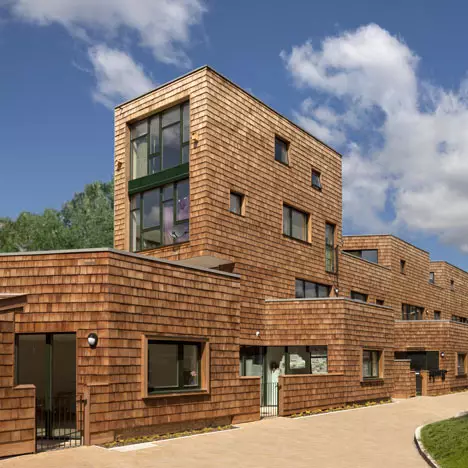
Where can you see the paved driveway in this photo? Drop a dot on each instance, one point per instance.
(373, 437)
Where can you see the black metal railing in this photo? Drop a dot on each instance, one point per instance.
(59, 422)
(269, 399)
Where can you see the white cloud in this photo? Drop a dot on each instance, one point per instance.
(118, 77)
(163, 26)
(107, 27)
(406, 149)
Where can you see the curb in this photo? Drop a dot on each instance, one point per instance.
(422, 451)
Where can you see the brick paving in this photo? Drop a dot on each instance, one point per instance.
(366, 438)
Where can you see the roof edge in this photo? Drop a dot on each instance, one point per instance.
(123, 253)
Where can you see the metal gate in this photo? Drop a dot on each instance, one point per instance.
(269, 399)
(418, 383)
(59, 422)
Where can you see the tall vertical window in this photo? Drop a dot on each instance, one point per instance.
(436, 315)
(281, 151)
(432, 277)
(236, 202)
(295, 223)
(160, 216)
(461, 363)
(330, 257)
(452, 284)
(371, 364)
(160, 142)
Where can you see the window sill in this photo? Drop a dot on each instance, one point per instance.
(315, 187)
(297, 240)
(372, 380)
(282, 163)
(176, 393)
(167, 246)
(237, 214)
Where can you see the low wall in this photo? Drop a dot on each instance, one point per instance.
(249, 400)
(17, 403)
(299, 393)
(404, 379)
(434, 386)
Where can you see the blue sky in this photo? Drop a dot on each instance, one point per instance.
(383, 82)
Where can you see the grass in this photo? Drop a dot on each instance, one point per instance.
(447, 442)
(340, 408)
(119, 442)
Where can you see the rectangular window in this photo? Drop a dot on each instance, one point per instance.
(316, 182)
(160, 216)
(452, 284)
(236, 203)
(281, 151)
(371, 364)
(436, 315)
(380, 302)
(173, 366)
(307, 289)
(330, 258)
(358, 296)
(411, 312)
(461, 364)
(160, 142)
(295, 223)
(432, 277)
(459, 319)
(402, 266)
(318, 359)
(371, 255)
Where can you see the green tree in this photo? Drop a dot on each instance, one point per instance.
(84, 222)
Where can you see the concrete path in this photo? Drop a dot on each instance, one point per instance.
(374, 437)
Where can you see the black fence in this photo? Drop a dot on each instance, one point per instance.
(269, 399)
(59, 422)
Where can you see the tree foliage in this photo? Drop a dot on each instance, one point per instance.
(85, 221)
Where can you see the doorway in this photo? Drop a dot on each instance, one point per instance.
(48, 360)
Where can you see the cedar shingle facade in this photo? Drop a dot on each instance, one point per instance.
(229, 290)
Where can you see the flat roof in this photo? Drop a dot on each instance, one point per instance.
(120, 252)
(388, 235)
(207, 67)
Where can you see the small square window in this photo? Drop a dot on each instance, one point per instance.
(236, 203)
(380, 302)
(281, 151)
(431, 277)
(316, 182)
(436, 315)
(402, 266)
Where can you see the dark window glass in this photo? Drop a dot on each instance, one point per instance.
(452, 284)
(358, 296)
(370, 364)
(411, 312)
(295, 223)
(235, 203)
(380, 302)
(281, 151)
(251, 361)
(461, 364)
(171, 154)
(308, 289)
(432, 277)
(316, 179)
(160, 142)
(371, 255)
(160, 216)
(402, 266)
(436, 315)
(330, 260)
(173, 366)
(458, 318)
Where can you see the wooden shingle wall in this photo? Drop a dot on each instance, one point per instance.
(17, 403)
(404, 380)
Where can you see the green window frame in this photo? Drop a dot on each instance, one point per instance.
(330, 257)
(145, 236)
(149, 135)
(187, 380)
